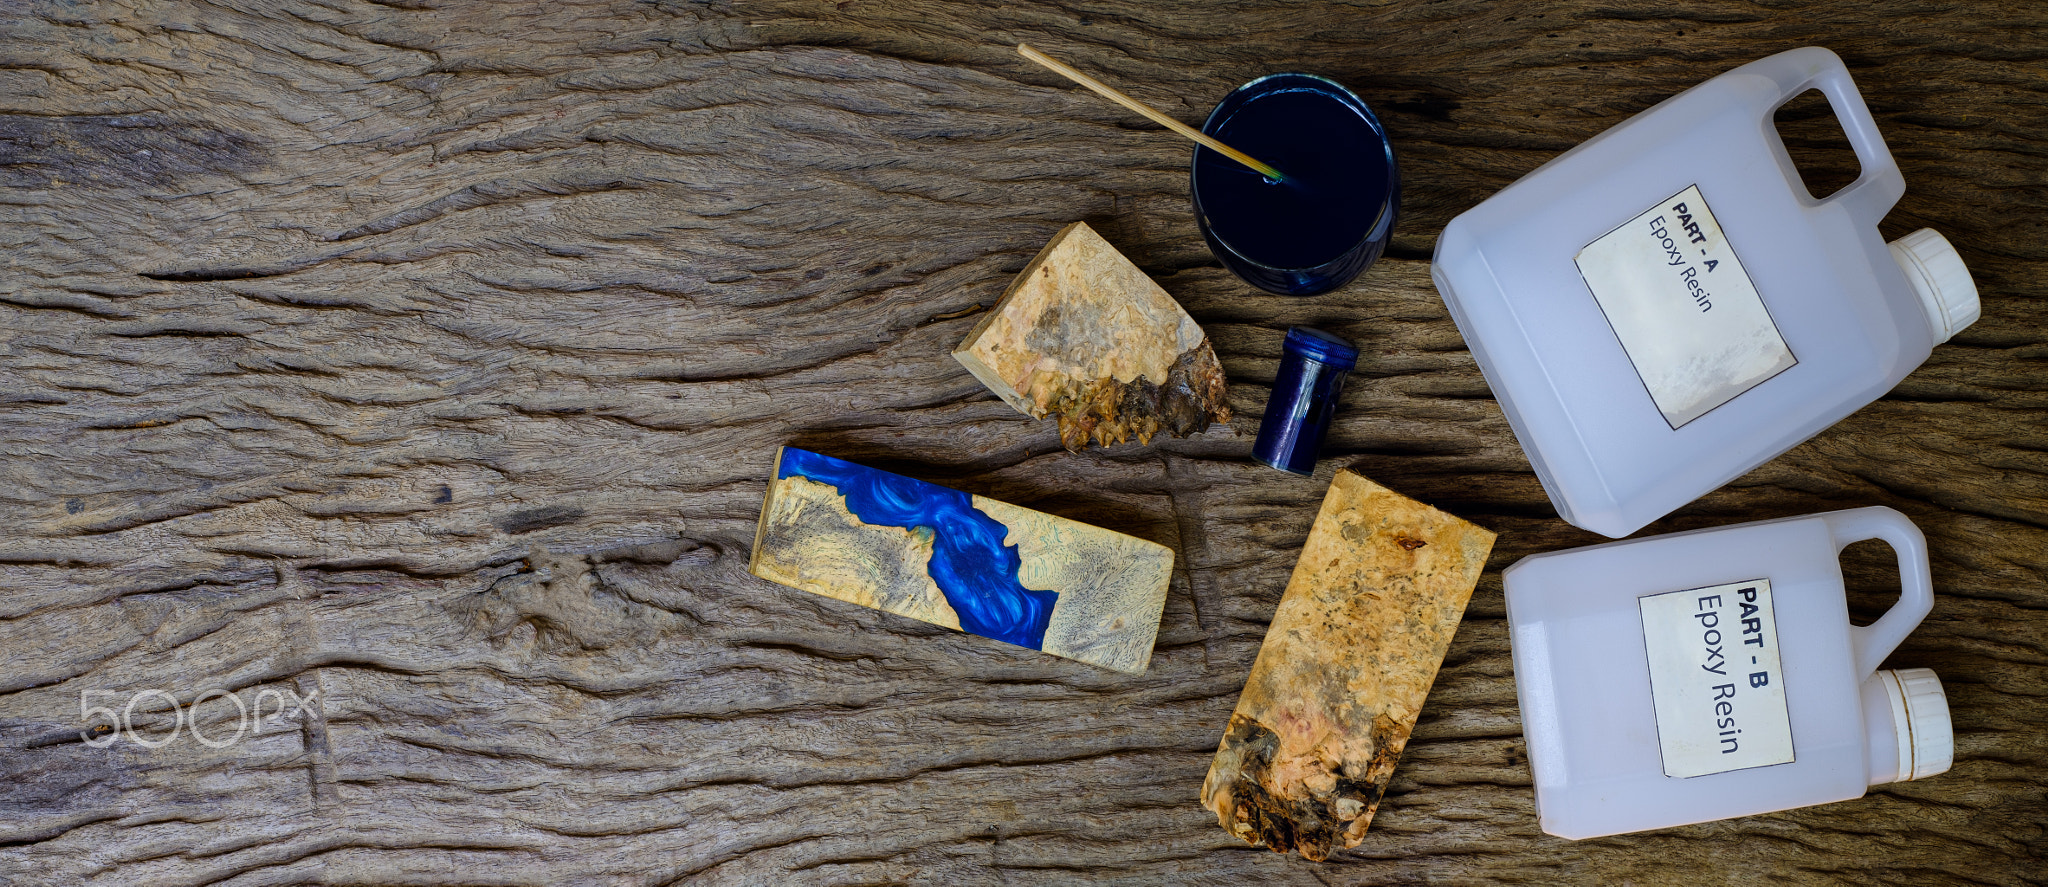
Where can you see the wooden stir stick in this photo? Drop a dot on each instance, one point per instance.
(1111, 93)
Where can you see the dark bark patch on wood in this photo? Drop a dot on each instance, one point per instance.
(50, 770)
(532, 519)
(116, 150)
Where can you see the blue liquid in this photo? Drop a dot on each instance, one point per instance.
(972, 567)
(1330, 219)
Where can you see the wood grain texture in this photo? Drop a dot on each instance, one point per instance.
(421, 357)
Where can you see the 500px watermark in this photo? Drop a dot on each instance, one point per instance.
(288, 705)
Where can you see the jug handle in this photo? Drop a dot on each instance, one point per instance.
(1873, 642)
(1880, 185)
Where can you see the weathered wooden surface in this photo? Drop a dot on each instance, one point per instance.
(422, 357)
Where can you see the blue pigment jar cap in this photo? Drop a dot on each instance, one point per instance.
(1321, 347)
(1313, 365)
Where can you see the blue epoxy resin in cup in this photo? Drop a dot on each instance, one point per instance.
(1331, 218)
(1313, 365)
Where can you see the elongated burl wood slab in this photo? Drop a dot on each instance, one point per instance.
(1084, 335)
(1361, 630)
(916, 549)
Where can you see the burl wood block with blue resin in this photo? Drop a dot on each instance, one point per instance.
(967, 562)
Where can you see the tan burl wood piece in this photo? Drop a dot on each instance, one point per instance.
(1347, 663)
(1084, 335)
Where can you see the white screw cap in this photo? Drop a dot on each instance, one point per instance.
(1941, 279)
(1927, 740)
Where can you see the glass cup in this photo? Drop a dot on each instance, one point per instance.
(1332, 216)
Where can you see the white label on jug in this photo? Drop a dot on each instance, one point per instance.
(1685, 311)
(1715, 679)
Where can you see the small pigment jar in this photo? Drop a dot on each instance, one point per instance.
(1313, 365)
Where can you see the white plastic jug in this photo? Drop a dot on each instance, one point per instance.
(1665, 307)
(1697, 676)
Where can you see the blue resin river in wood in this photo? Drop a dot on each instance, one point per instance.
(970, 564)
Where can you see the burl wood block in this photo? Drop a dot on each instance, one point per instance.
(966, 562)
(1083, 335)
(1347, 662)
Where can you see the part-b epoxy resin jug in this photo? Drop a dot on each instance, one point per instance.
(1666, 307)
(1702, 675)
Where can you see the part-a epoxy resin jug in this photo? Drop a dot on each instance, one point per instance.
(1665, 307)
(1702, 675)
